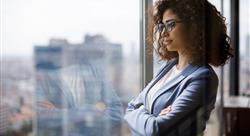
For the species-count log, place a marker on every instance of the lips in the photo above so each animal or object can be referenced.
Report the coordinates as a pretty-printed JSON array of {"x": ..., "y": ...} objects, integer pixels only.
[{"x": 167, "y": 42}]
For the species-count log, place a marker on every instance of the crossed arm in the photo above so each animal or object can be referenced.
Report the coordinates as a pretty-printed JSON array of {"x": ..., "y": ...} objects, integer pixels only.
[{"x": 141, "y": 122}]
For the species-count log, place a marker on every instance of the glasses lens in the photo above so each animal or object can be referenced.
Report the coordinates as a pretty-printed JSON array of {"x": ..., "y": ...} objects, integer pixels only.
[
  {"x": 161, "y": 26},
  {"x": 170, "y": 26}
]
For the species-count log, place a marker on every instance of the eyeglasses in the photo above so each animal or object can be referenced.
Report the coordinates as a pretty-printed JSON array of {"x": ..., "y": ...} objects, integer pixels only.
[{"x": 169, "y": 25}]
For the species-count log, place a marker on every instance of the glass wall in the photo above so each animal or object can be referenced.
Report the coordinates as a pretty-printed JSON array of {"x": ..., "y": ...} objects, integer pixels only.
[
  {"x": 244, "y": 47},
  {"x": 226, "y": 13},
  {"x": 68, "y": 67}
]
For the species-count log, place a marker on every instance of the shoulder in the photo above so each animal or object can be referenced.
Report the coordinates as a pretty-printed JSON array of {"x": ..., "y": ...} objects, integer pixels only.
[
  {"x": 165, "y": 65},
  {"x": 205, "y": 72},
  {"x": 83, "y": 70}
]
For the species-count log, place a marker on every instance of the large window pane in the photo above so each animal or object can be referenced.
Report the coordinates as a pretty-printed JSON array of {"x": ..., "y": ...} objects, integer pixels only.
[
  {"x": 226, "y": 13},
  {"x": 244, "y": 47},
  {"x": 68, "y": 67}
]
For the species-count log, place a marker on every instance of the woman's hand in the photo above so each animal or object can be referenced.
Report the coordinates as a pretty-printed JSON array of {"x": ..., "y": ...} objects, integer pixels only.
[
  {"x": 165, "y": 111},
  {"x": 46, "y": 104}
]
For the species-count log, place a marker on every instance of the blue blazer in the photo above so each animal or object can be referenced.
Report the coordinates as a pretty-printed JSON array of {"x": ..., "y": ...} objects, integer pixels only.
[{"x": 196, "y": 86}]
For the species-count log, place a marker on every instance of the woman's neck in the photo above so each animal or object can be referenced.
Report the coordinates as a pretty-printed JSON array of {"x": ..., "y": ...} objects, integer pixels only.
[{"x": 183, "y": 61}]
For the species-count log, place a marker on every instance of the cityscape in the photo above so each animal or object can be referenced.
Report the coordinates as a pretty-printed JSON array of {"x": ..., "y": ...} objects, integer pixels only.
[{"x": 23, "y": 78}]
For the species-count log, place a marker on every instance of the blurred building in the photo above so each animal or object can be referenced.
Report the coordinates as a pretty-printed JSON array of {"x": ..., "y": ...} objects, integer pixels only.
[
  {"x": 95, "y": 49},
  {"x": 16, "y": 95},
  {"x": 59, "y": 54},
  {"x": 4, "y": 118}
]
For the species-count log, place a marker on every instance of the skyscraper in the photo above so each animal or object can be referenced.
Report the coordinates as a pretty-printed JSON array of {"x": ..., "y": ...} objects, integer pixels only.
[{"x": 60, "y": 54}]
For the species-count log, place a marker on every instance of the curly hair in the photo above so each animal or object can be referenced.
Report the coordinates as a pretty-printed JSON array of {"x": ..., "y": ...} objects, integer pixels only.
[{"x": 211, "y": 44}]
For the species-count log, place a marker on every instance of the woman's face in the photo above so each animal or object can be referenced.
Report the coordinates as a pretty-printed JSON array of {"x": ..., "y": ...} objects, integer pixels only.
[{"x": 173, "y": 35}]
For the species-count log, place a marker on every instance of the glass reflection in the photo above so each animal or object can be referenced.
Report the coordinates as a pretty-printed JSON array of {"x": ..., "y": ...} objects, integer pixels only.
[{"x": 73, "y": 95}]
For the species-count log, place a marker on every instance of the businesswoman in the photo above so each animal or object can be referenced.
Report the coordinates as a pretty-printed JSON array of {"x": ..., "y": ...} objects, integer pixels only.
[{"x": 190, "y": 36}]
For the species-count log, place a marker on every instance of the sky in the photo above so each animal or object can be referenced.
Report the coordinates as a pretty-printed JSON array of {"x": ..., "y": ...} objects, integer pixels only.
[{"x": 26, "y": 23}]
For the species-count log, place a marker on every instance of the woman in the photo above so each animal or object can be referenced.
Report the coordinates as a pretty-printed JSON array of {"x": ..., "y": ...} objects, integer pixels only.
[
  {"x": 190, "y": 36},
  {"x": 77, "y": 100}
]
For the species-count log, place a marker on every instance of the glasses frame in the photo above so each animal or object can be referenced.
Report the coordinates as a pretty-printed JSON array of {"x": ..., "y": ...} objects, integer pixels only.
[{"x": 169, "y": 25}]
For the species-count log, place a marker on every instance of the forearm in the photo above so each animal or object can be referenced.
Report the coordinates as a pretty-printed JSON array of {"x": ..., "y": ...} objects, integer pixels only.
[{"x": 141, "y": 121}]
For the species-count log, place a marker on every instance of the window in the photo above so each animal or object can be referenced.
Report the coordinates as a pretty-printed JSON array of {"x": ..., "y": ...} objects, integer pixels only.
[
  {"x": 68, "y": 67},
  {"x": 244, "y": 47}
]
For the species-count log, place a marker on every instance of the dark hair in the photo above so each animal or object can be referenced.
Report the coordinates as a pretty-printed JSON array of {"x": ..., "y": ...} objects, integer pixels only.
[{"x": 205, "y": 24}]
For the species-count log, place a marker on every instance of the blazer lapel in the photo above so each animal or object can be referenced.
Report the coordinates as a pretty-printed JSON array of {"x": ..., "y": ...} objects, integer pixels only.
[
  {"x": 187, "y": 71},
  {"x": 158, "y": 77}
]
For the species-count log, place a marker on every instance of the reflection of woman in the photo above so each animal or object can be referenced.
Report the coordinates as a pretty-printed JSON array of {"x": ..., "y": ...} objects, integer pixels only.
[
  {"x": 80, "y": 96},
  {"x": 190, "y": 36}
]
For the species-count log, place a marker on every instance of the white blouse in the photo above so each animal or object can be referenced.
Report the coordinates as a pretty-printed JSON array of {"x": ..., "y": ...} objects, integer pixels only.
[{"x": 158, "y": 85}]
